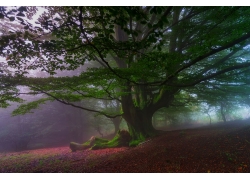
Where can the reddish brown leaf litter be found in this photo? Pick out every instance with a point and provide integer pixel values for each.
(217, 148)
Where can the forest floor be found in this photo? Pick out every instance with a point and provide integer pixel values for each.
(223, 147)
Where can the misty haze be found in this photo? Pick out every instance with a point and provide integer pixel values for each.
(124, 89)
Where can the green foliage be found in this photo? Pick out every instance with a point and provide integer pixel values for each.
(4, 100)
(149, 57)
(26, 108)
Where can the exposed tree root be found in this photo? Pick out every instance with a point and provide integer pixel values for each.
(121, 139)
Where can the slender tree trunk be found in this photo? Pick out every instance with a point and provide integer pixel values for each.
(116, 121)
(210, 119)
(78, 117)
(98, 129)
(174, 34)
(222, 112)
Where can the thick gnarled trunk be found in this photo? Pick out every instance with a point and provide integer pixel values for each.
(138, 119)
(140, 125)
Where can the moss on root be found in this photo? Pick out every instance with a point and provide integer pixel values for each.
(134, 143)
(122, 138)
(140, 138)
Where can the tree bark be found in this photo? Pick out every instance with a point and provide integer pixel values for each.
(222, 112)
(116, 121)
(210, 119)
(140, 126)
(138, 108)
(139, 120)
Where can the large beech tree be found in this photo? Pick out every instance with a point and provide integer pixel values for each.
(149, 56)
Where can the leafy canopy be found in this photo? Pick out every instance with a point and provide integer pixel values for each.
(147, 52)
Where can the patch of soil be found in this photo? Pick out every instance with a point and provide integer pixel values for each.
(218, 148)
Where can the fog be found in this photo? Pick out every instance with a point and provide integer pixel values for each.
(53, 123)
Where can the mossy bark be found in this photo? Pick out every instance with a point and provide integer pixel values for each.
(138, 109)
(79, 147)
(140, 126)
(122, 138)
(138, 116)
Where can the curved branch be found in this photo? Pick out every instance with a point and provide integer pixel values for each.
(71, 104)
(240, 66)
(212, 52)
(97, 50)
(162, 17)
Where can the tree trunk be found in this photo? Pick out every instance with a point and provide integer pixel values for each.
(210, 119)
(79, 119)
(222, 112)
(98, 129)
(116, 121)
(138, 116)
(138, 102)
(138, 119)
(139, 124)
